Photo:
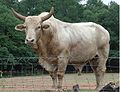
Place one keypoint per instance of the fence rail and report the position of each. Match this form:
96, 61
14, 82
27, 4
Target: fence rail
29, 66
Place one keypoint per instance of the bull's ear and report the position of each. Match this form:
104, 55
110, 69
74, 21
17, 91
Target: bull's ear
45, 26
20, 27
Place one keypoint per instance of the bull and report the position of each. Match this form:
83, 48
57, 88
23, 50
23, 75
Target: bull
59, 43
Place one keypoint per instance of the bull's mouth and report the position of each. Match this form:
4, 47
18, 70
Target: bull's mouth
30, 43
33, 45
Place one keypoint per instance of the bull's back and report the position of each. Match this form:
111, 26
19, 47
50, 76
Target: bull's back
88, 40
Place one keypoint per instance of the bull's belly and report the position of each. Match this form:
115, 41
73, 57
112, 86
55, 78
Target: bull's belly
81, 56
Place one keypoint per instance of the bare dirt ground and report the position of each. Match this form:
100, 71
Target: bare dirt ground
44, 82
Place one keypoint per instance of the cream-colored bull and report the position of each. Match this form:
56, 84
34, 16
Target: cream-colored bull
59, 43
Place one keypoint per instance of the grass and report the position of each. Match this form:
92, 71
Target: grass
33, 82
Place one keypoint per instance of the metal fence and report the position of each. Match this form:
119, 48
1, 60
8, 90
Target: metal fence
21, 66
24, 73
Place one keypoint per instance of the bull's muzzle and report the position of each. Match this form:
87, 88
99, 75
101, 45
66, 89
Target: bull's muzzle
29, 41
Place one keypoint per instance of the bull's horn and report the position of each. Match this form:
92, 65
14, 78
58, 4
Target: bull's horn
49, 15
17, 15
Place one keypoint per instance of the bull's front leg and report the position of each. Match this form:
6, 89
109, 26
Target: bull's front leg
48, 67
51, 68
62, 64
54, 78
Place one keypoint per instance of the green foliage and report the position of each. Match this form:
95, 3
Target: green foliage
3, 52
12, 41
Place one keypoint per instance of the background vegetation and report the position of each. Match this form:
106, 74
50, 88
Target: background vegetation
12, 41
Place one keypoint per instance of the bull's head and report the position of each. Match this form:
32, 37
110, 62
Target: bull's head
33, 25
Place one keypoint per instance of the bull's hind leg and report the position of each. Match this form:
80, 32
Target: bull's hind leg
99, 65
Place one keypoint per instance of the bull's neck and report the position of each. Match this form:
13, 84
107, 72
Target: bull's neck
42, 46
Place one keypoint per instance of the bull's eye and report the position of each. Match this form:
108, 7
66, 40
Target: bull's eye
24, 27
38, 27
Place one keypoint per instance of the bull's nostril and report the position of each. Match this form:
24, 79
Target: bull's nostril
32, 40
